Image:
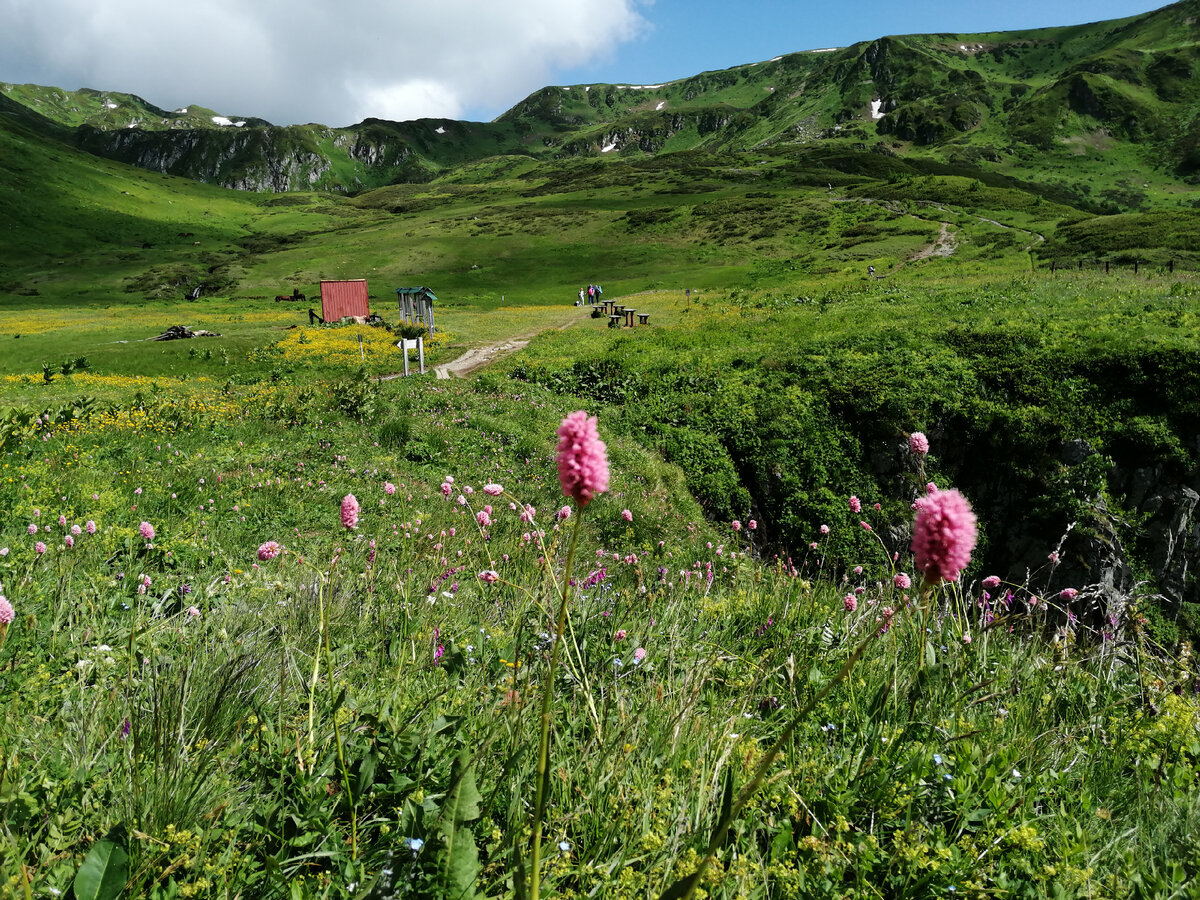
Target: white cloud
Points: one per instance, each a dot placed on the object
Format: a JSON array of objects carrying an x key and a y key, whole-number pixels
[{"x": 313, "y": 60}]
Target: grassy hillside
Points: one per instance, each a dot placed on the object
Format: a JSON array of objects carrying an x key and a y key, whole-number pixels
[{"x": 215, "y": 688}]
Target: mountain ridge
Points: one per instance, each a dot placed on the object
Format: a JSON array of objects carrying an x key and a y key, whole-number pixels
[{"x": 994, "y": 100}]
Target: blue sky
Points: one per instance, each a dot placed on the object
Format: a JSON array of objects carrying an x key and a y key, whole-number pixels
[
  {"x": 298, "y": 61},
  {"x": 690, "y": 36}
]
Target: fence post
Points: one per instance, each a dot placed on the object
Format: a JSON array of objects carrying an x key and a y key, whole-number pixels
[
  {"x": 420, "y": 354},
  {"x": 1171, "y": 265},
  {"x": 1106, "y": 267},
  {"x": 1135, "y": 266}
]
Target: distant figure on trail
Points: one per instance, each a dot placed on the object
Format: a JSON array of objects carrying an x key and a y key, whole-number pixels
[
  {"x": 581, "y": 297},
  {"x": 591, "y": 293},
  {"x": 871, "y": 271},
  {"x": 599, "y": 291}
]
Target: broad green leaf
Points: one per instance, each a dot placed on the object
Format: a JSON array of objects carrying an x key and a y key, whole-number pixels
[{"x": 104, "y": 871}]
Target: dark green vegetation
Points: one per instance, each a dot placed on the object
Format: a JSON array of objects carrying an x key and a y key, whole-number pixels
[{"x": 182, "y": 723}]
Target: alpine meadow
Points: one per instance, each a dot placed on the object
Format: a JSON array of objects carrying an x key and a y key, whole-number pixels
[{"x": 842, "y": 544}]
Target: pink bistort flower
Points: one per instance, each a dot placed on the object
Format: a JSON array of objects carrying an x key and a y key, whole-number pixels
[
  {"x": 350, "y": 509},
  {"x": 850, "y": 603},
  {"x": 855, "y": 504},
  {"x": 389, "y": 488},
  {"x": 582, "y": 458},
  {"x": 39, "y": 548},
  {"x": 493, "y": 490},
  {"x": 902, "y": 581},
  {"x": 6, "y": 611},
  {"x": 91, "y": 527},
  {"x": 1068, "y": 593},
  {"x": 991, "y": 582},
  {"x": 626, "y": 515},
  {"x": 918, "y": 443},
  {"x": 944, "y": 535},
  {"x": 268, "y": 551},
  {"x": 490, "y": 576},
  {"x": 146, "y": 530}
]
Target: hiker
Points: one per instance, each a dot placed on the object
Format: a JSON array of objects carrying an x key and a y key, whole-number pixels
[
  {"x": 591, "y": 293},
  {"x": 871, "y": 271},
  {"x": 599, "y": 291},
  {"x": 581, "y": 298}
]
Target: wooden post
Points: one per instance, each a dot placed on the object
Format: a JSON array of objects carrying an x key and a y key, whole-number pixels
[
  {"x": 420, "y": 355},
  {"x": 404, "y": 349},
  {"x": 1171, "y": 265},
  {"x": 1053, "y": 264},
  {"x": 1106, "y": 267},
  {"x": 361, "y": 355},
  {"x": 1135, "y": 266},
  {"x": 1081, "y": 265}
]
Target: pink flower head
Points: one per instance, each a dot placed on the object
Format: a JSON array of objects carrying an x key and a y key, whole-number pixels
[
  {"x": 931, "y": 488},
  {"x": 69, "y": 541},
  {"x": 565, "y": 512},
  {"x": 483, "y": 519},
  {"x": 991, "y": 582},
  {"x": 850, "y": 603},
  {"x": 944, "y": 535},
  {"x": 737, "y": 526},
  {"x": 389, "y": 488},
  {"x": 752, "y": 525},
  {"x": 855, "y": 504},
  {"x": 6, "y": 611},
  {"x": 40, "y": 548},
  {"x": 350, "y": 510},
  {"x": 32, "y": 529},
  {"x": 866, "y": 526},
  {"x": 902, "y": 581},
  {"x": 193, "y": 612},
  {"x": 582, "y": 458},
  {"x": 489, "y": 576},
  {"x": 626, "y": 515},
  {"x": 918, "y": 443},
  {"x": 268, "y": 551},
  {"x": 1068, "y": 593},
  {"x": 824, "y": 529},
  {"x": 62, "y": 520},
  {"x": 620, "y": 635},
  {"x": 639, "y": 654},
  {"x": 146, "y": 530},
  {"x": 493, "y": 490},
  {"x": 91, "y": 527},
  {"x": 447, "y": 488},
  {"x": 76, "y": 530}
]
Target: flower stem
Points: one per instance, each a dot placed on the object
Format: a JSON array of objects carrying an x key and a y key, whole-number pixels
[{"x": 543, "y": 758}]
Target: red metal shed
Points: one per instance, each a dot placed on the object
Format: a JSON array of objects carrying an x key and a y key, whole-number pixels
[{"x": 344, "y": 298}]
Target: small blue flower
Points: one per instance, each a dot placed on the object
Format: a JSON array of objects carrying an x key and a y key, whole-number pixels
[
  {"x": 564, "y": 846},
  {"x": 414, "y": 845},
  {"x": 937, "y": 759},
  {"x": 947, "y": 777}
]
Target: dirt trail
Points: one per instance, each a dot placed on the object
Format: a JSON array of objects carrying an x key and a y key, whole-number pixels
[
  {"x": 943, "y": 245},
  {"x": 477, "y": 357}
]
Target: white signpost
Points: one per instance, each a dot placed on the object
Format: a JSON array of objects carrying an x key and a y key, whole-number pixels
[{"x": 418, "y": 344}]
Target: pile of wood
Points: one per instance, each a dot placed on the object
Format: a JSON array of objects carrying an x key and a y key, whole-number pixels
[{"x": 179, "y": 332}]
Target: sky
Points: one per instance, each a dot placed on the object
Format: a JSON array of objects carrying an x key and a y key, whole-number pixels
[{"x": 338, "y": 62}]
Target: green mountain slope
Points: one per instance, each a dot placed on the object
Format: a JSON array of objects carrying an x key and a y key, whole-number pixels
[{"x": 1121, "y": 95}]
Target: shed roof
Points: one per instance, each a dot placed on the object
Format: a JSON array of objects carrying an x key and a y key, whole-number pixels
[
  {"x": 344, "y": 298},
  {"x": 416, "y": 290}
]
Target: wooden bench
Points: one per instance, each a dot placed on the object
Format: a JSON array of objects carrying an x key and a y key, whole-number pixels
[
  {"x": 643, "y": 318},
  {"x": 629, "y": 314},
  {"x": 614, "y": 321}
]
